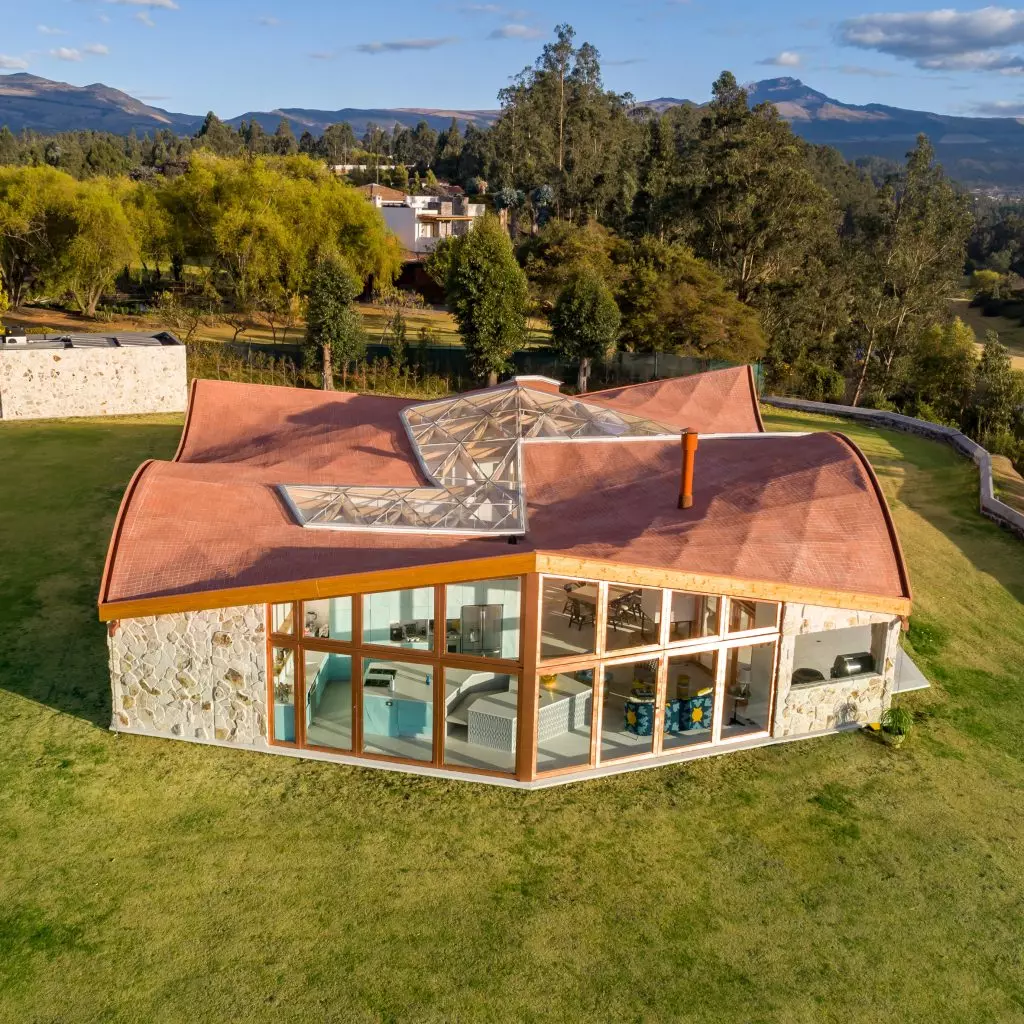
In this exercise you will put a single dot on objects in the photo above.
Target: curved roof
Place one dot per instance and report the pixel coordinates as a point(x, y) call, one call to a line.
point(800, 511)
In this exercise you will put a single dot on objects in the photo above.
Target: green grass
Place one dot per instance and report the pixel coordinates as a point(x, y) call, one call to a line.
point(827, 881)
point(1011, 332)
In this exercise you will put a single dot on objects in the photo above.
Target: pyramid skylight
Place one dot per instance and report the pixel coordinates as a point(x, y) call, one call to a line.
point(470, 447)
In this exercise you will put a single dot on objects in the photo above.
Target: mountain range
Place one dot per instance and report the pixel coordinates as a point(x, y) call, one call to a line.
point(978, 151)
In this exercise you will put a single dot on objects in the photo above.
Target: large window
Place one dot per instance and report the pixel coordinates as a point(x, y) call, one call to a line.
point(481, 715)
point(690, 699)
point(748, 689)
point(627, 715)
point(744, 615)
point(692, 616)
point(283, 711)
point(634, 618)
point(483, 619)
point(328, 619)
point(568, 618)
point(328, 700)
point(564, 716)
point(832, 654)
point(400, 618)
point(398, 709)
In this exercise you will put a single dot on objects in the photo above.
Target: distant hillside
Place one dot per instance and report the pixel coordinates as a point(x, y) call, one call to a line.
point(973, 150)
point(981, 151)
point(315, 121)
point(27, 101)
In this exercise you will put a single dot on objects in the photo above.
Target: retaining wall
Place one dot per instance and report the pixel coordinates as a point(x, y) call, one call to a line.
point(988, 503)
point(45, 383)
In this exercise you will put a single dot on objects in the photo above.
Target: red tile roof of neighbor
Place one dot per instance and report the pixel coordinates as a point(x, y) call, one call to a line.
point(788, 509)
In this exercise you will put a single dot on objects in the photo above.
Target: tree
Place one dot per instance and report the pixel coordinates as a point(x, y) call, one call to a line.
point(673, 302)
point(337, 143)
point(102, 245)
point(487, 295)
point(334, 328)
point(585, 323)
point(911, 263)
point(284, 139)
point(998, 390)
point(216, 136)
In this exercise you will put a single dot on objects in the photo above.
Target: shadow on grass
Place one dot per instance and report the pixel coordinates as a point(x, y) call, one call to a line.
point(59, 493)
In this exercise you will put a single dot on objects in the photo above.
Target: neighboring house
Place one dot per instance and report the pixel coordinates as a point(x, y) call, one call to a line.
point(421, 221)
point(510, 585)
point(58, 375)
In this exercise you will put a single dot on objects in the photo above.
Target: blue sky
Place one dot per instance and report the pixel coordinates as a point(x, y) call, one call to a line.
point(234, 56)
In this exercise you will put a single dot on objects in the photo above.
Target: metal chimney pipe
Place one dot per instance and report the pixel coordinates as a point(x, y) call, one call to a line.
point(689, 451)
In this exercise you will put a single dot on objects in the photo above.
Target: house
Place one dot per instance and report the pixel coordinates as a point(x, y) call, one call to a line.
point(59, 375)
point(421, 221)
point(510, 585)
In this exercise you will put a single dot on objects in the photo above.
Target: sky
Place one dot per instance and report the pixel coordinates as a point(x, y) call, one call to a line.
point(232, 56)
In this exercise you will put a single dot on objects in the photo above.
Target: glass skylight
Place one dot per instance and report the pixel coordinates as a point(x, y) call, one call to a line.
point(470, 447)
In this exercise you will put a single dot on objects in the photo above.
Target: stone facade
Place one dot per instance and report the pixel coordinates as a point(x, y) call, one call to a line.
point(195, 675)
point(834, 702)
point(46, 382)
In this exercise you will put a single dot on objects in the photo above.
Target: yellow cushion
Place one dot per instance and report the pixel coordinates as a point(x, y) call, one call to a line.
point(705, 691)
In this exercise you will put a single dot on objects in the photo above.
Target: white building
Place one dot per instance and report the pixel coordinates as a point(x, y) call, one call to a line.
point(420, 221)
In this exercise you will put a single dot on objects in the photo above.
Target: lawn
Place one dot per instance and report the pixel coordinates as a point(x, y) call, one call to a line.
point(833, 880)
point(1011, 332)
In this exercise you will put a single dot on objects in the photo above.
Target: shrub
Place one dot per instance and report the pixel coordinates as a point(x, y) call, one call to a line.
point(897, 721)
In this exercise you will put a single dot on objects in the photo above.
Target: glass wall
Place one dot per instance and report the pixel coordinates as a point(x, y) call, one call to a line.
point(283, 713)
point(328, 619)
point(640, 671)
point(748, 689)
point(564, 717)
point(282, 619)
point(744, 615)
point(634, 618)
point(398, 709)
point(400, 618)
point(693, 615)
point(627, 709)
point(328, 700)
point(568, 617)
point(480, 718)
point(483, 619)
point(831, 654)
point(690, 699)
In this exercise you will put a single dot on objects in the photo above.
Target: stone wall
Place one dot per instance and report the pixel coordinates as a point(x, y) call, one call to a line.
point(47, 382)
point(195, 675)
point(833, 702)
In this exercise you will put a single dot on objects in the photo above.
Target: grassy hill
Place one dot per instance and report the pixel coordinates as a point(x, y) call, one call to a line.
point(826, 881)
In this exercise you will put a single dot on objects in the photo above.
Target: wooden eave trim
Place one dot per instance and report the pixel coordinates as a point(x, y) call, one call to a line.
point(894, 537)
point(491, 568)
point(115, 536)
point(730, 586)
point(499, 566)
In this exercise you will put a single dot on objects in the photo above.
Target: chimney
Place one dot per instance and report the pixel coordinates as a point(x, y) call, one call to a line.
point(689, 451)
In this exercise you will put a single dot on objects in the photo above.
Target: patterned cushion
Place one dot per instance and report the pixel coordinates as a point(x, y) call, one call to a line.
point(639, 718)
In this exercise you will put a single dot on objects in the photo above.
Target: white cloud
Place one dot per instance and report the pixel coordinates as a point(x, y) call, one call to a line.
point(66, 53)
point(268, 20)
point(163, 5)
point(49, 30)
point(942, 40)
point(1000, 108)
point(8, 63)
point(858, 69)
point(516, 31)
point(145, 19)
point(399, 45)
point(97, 49)
point(786, 59)
point(322, 55)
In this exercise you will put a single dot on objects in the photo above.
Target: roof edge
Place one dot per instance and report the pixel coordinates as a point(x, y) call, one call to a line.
point(188, 418)
point(755, 397)
point(115, 536)
point(894, 537)
point(490, 568)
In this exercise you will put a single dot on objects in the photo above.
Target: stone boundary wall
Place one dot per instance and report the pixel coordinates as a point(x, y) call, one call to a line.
point(833, 703)
point(989, 504)
point(194, 675)
point(47, 383)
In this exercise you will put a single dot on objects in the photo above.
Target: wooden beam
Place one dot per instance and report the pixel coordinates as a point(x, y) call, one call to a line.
point(526, 706)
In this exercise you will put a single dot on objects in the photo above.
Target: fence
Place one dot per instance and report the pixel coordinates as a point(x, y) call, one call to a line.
point(450, 362)
point(989, 504)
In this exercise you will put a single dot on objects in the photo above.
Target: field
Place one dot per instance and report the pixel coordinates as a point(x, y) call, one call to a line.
point(438, 323)
point(828, 881)
point(1011, 332)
